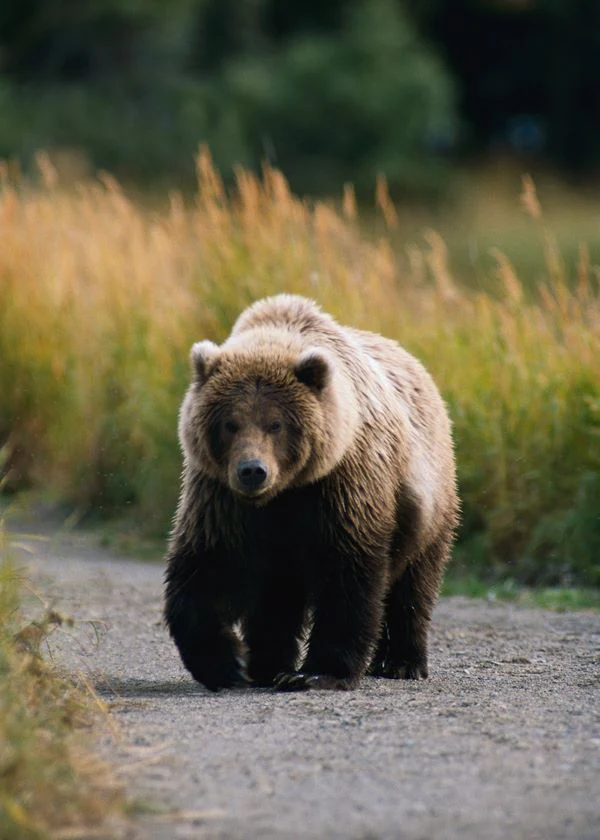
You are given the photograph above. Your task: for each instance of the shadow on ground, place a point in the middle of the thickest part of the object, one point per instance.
(116, 687)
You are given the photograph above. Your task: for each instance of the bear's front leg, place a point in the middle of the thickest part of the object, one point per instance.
(273, 629)
(348, 616)
(208, 647)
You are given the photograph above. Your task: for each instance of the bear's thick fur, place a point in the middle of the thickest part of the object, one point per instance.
(318, 505)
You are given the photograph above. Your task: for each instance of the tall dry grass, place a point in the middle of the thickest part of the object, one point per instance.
(100, 299)
(51, 785)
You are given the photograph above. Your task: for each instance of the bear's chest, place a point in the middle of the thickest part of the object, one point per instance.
(291, 529)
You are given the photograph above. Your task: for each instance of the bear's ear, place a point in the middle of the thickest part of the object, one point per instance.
(202, 357)
(313, 368)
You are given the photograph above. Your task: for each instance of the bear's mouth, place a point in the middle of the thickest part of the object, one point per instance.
(254, 497)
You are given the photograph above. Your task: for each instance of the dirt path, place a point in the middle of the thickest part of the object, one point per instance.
(503, 741)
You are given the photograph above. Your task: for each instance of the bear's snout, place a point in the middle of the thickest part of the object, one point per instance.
(252, 474)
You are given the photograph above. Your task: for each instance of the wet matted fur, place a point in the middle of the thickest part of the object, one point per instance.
(318, 480)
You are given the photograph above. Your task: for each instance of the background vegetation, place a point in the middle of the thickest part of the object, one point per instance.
(101, 295)
(101, 298)
(50, 785)
(328, 92)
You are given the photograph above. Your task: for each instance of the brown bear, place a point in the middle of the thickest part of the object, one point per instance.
(317, 509)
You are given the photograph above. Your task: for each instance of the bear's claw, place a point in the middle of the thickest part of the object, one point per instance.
(303, 682)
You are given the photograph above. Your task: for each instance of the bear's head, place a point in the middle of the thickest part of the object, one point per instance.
(262, 418)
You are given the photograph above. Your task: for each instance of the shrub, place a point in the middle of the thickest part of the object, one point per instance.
(345, 107)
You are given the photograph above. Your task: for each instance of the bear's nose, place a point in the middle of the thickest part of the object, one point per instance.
(252, 474)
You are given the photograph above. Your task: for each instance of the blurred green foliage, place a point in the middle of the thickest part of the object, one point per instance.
(139, 85)
(329, 91)
(344, 107)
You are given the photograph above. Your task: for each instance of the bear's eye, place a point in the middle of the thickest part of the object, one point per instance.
(275, 427)
(231, 427)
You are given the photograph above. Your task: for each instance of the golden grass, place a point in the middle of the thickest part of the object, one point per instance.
(50, 783)
(101, 298)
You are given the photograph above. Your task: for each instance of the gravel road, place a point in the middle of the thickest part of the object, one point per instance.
(503, 740)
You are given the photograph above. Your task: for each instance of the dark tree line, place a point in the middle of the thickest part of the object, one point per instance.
(330, 91)
(528, 73)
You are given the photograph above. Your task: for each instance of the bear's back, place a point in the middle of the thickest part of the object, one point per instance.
(296, 314)
(300, 321)
(410, 381)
